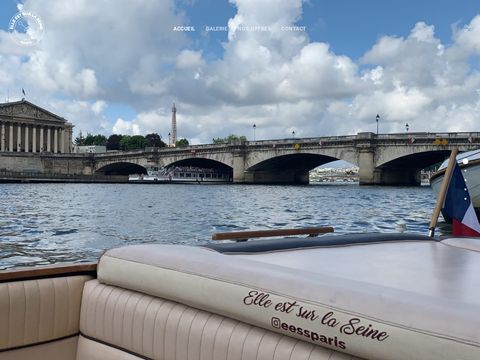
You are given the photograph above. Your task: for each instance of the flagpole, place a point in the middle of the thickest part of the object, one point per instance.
(443, 191)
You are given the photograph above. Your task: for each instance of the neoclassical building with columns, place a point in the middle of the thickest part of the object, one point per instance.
(28, 128)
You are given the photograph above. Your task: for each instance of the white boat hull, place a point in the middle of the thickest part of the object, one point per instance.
(180, 176)
(151, 179)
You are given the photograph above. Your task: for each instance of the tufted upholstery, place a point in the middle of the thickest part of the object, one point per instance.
(64, 349)
(375, 309)
(37, 311)
(154, 328)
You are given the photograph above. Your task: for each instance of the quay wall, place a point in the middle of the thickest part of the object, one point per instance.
(67, 164)
(15, 167)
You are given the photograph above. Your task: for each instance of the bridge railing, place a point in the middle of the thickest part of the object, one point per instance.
(430, 135)
(301, 140)
(312, 141)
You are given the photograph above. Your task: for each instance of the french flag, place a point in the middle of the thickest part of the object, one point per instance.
(459, 207)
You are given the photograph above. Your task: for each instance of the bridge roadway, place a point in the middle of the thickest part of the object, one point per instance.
(387, 159)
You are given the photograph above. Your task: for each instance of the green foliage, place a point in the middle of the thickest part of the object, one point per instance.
(218, 141)
(95, 139)
(182, 143)
(229, 139)
(124, 142)
(80, 139)
(134, 142)
(138, 142)
(113, 142)
(154, 140)
(90, 139)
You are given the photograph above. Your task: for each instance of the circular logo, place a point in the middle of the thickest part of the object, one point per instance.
(26, 28)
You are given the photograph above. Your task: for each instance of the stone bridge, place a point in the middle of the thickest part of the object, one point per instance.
(389, 159)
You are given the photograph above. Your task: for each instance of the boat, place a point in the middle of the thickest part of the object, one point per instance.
(181, 174)
(355, 296)
(469, 163)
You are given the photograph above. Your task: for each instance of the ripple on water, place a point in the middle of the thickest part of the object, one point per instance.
(47, 223)
(59, 232)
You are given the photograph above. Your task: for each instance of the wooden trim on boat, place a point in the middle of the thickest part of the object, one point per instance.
(244, 235)
(462, 166)
(49, 271)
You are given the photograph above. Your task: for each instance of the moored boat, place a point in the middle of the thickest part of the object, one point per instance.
(181, 174)
(469, 163)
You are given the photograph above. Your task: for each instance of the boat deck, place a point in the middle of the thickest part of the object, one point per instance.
(374, 296)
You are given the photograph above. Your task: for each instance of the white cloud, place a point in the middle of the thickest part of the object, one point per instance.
(469, 36)
(108, 49)
(282, 81)
(125, 127)
(10, 47)
(145, 123)
(188, 59)
(99, 106)
(85, 115)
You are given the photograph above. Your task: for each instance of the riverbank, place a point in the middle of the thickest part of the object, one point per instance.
(34, 177)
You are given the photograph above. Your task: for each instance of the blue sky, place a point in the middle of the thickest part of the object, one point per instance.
(117, 66)
(350, 26)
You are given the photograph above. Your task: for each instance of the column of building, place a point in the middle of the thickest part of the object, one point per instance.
(49, 140)
(62, 141)
(2, 146)
(33, 138)
(19, 137)
(42, 140)
(26, 138)
(10, 138)
(55, 140)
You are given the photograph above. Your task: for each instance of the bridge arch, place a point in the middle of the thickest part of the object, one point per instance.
(406, 169)
(418, 160)
(290, 168)
(121, 168)
(202, 163)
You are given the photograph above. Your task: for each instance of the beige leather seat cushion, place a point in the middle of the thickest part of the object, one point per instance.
(37, 311)
(64, 349)
(396, 300)
(155, 328)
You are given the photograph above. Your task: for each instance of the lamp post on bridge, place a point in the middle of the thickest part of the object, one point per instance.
(377, 118)
(293, 134)
(254, 127)
(407, 127)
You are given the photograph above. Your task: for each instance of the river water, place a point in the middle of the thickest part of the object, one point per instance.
(49, 223)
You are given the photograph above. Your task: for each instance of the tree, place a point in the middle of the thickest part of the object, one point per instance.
(113, 142)
(95, 139)
(134, 142)
(125, 142)
(138, 142)
(218, 141)
(182, 143)
(154, 140)
(229, 139)
(80, 139)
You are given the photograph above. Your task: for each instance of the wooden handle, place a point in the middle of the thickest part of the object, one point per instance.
(242, 235)
(443, 191)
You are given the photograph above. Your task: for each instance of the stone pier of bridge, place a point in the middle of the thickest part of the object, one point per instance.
(385, 159)
(382, 159)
